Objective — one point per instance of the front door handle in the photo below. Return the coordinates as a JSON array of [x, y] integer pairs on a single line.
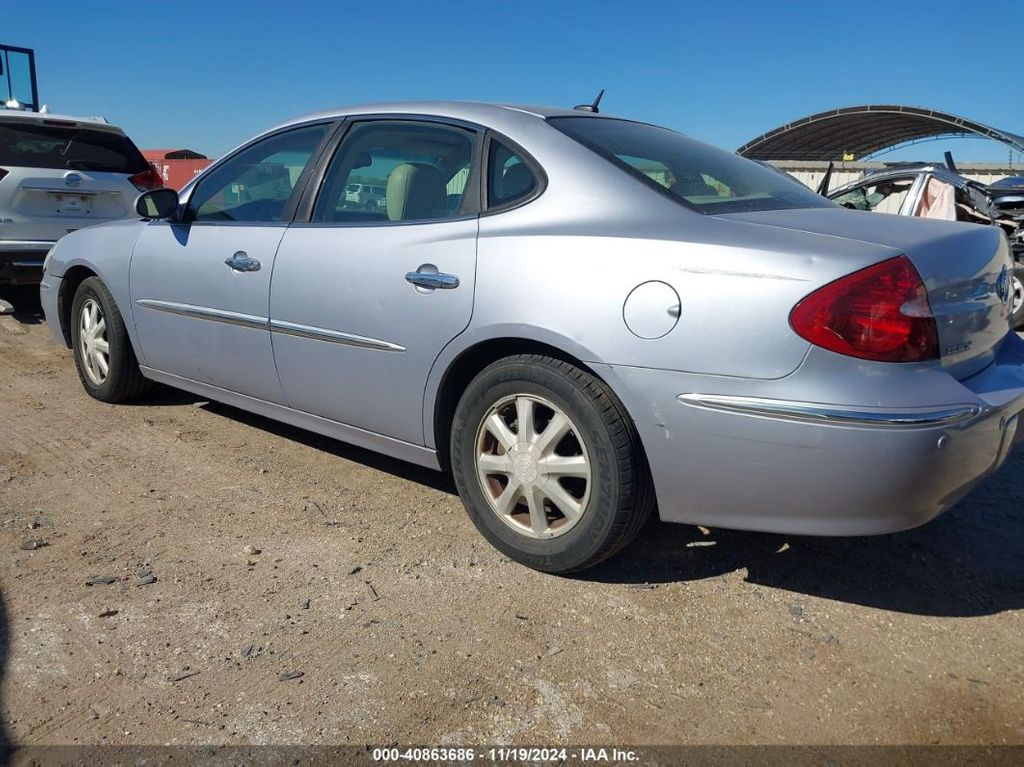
[[240, 262], [432, 280]]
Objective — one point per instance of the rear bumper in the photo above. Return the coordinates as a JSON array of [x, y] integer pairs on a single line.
[[49, 297], [21, 261], [790, 464]]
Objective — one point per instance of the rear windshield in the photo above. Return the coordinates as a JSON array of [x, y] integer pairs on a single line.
[[698, 175], [68, 148]]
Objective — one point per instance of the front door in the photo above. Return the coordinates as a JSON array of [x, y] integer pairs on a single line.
[[200, 288], [369, 291]]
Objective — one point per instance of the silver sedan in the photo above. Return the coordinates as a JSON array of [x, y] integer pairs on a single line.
[[583, 318]]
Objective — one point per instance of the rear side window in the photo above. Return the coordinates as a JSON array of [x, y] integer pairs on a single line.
[[697, 175], [68, 148], [390, 171], [508, 177]]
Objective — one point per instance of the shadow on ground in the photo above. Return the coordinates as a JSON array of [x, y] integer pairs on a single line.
[[408, 471], [25, 300], [968, 562]]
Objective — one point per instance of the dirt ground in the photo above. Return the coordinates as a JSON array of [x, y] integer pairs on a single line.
[[277, 551]]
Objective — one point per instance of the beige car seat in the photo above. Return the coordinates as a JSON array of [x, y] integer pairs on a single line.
[[415, 191]]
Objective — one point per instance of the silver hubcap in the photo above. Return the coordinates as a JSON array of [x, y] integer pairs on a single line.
[[1018, 295], [533, 466], [92, 340]]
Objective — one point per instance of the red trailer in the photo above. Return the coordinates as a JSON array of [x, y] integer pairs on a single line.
[[176, 166]]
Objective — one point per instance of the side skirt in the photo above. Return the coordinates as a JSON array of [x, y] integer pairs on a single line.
[[404, 451]]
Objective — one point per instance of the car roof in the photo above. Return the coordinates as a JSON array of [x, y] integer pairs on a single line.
[[492, 115], [42, 118]]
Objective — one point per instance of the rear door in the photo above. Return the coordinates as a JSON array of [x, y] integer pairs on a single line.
[[364, 298], [200, 287]]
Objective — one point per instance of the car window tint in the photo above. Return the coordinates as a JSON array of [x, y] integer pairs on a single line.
[[508, 177], [68, 148], [882, 197], [697, 175], [387, 171], [256, 184]]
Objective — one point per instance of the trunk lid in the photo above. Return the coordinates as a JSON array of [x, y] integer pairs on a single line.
[[966, 269]]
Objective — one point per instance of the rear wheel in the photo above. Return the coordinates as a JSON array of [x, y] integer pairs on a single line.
[[103, 352], [548, 464]]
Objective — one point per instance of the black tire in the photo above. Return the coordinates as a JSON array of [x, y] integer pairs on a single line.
[[621, 495], [1016, 288], [123, 380]]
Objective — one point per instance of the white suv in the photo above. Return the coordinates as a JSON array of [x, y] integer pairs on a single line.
[[58, 174]]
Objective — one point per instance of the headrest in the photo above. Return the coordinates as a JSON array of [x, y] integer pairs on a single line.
[[517, 181], [415, 190]]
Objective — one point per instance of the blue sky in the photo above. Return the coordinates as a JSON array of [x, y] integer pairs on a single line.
[[208, 75]]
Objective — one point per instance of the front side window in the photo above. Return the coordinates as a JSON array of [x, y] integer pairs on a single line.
[[508, 177], [390, 171], [882, 196], [697, 175], [256, 185]]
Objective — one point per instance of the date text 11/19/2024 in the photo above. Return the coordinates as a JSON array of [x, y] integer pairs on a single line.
[[503, 754]]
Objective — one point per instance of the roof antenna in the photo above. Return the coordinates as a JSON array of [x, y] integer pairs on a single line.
[[591, 107]]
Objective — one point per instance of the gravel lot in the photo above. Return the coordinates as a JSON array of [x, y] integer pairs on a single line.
[[276, 552]]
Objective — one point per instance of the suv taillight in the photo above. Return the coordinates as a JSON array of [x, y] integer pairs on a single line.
[[148, 179], [880, 313]]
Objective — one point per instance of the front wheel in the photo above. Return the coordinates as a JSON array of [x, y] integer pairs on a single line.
[[103, 352], [548, 464], [1017, 293]]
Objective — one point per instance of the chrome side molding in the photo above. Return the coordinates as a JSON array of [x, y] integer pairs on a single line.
[[333, 336], [262, 323], [837, 414], [204, 313]]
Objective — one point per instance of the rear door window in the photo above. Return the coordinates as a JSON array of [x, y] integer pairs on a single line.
[[405, 171], [68, 148]]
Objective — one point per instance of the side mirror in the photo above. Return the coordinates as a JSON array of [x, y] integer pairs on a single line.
[[157, 203]]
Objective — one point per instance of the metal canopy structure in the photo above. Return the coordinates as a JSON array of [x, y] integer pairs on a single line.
[[862, 131]]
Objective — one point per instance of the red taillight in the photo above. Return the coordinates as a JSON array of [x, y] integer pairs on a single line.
[[880, 313], [148, 179]]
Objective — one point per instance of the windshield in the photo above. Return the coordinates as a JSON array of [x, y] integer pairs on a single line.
[[698, 175], [68, 148]]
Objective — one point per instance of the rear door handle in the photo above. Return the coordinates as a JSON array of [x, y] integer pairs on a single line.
[[433, 280], [240, 262]]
